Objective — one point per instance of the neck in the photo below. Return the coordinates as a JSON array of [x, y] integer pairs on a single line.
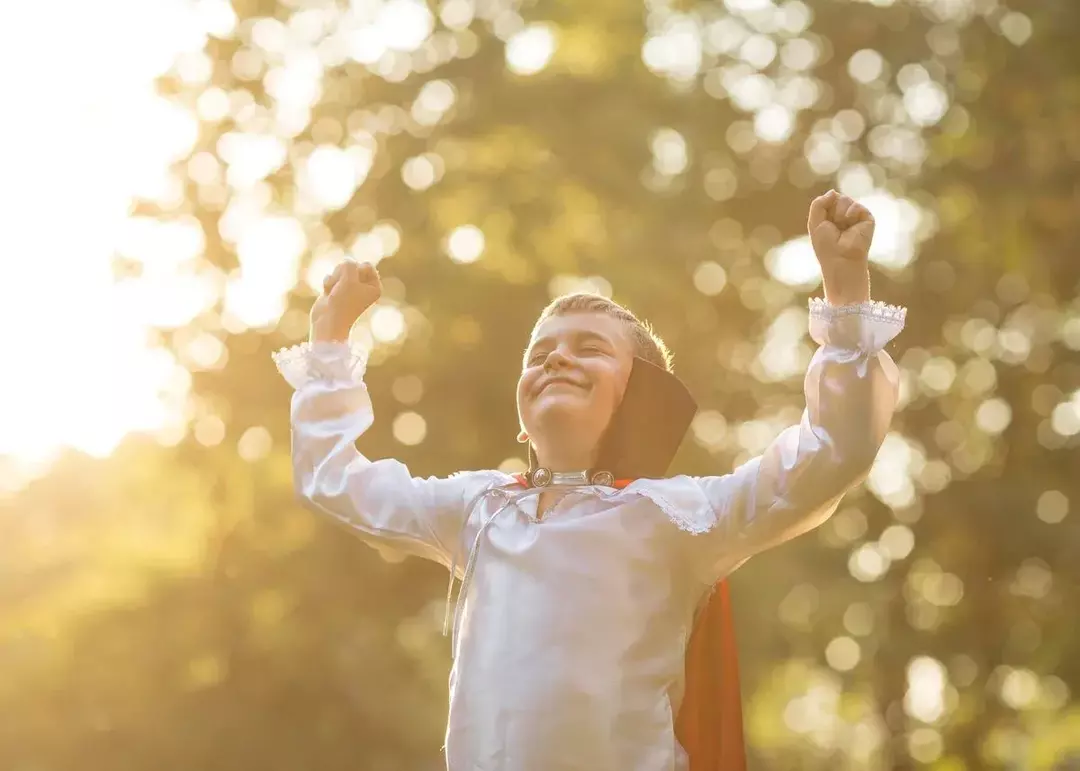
[[564, 459]]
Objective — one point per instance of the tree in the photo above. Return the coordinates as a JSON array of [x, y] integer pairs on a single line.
[[488, 156]]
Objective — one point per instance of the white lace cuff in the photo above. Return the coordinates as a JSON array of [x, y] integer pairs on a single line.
[[866, 327], [328, 362]]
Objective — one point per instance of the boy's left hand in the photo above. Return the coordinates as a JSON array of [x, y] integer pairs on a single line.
[[841, 231]]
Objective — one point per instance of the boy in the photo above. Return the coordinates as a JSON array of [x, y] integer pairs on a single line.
[[582, 580]]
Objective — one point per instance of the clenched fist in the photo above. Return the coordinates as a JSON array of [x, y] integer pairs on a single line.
[[841, 231], [347, 292]]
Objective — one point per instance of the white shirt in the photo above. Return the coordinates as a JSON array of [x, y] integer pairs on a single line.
[[571, 632]]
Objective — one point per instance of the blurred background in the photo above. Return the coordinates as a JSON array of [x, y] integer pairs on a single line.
[[177, 176]]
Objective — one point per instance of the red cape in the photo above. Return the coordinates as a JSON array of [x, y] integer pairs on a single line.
[[709, 725]]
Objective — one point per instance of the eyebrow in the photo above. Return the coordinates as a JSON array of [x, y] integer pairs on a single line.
[[578, 336]]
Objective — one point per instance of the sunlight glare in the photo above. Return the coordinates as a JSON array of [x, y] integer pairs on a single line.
[[793, 263], [465, 244], [397, 25], [529, 51], [250, 157], [100, 136], [675, 49], [897, 229], [925, 697], [269, 251], [330, 176]]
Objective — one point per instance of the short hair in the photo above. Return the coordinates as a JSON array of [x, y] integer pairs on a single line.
[[647, 344]]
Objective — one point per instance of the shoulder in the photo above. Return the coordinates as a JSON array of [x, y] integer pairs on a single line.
[[478, 482], [682, 499]]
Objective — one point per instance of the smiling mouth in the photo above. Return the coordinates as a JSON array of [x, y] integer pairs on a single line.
[[561, 381]]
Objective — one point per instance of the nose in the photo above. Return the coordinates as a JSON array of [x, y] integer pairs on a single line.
[[556, 360]]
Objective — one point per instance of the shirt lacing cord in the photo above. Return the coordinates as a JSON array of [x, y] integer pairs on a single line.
[[470, 564]]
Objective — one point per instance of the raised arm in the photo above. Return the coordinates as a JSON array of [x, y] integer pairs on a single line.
[[796, 484], [851, 390], [378, 499]]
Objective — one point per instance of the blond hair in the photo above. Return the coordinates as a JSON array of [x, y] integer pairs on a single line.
[[647, 344]]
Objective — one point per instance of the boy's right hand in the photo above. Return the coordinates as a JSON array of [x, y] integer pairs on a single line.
[[347, 292]]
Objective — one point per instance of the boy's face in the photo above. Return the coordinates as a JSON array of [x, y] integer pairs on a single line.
[[573, 378]]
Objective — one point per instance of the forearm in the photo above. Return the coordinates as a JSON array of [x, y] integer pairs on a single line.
[[850, 400], [852, 384], [377, 499], [329, 330], [846, 282]]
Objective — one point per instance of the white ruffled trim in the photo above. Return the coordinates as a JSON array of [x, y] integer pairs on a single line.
[[867, 326], [333, 362], [873, 309], [681, 499]]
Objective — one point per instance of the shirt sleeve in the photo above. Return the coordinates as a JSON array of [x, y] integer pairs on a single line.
[[852, 389], [377, 499]]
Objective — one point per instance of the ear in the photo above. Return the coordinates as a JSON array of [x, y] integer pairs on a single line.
[[522, 437]]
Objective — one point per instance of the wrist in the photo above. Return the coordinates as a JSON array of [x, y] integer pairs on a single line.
[[846, 284], [328, 332]]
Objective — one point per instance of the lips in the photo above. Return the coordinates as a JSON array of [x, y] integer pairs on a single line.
[[560, 379]]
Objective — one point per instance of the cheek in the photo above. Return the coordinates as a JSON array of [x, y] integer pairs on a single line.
[[611, 387], [524, 385], [619, 376]]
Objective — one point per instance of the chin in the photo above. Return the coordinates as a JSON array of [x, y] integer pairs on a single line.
[[559, 414]]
